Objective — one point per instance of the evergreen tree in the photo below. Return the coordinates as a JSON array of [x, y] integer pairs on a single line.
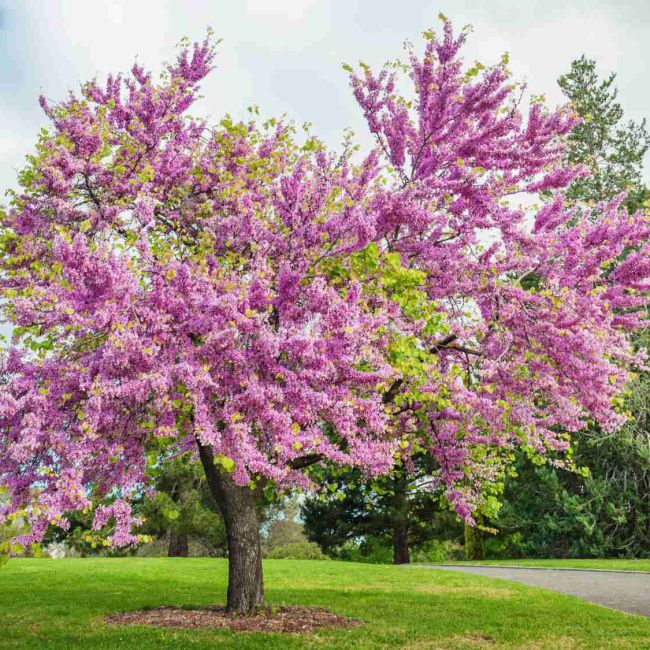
[[397, 511], [613, 149], [182, 510]]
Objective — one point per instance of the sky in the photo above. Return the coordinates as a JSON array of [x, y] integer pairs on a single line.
[[285, 55]]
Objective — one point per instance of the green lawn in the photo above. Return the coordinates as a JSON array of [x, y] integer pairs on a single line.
[[613, 565], [61, 604]]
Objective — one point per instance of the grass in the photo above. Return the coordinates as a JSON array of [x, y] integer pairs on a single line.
[[62, 603], [613, 565]]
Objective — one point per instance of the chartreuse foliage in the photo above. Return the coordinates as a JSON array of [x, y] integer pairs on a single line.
[[61, 604]]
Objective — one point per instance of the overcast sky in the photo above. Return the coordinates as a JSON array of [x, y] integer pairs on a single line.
[[285, 55]]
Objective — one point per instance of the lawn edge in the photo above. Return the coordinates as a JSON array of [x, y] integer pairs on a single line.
[[534, 568]]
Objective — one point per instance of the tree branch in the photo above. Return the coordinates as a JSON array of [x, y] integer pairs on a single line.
[[391, 393], [445, 344], [441, 345], [305, 461]]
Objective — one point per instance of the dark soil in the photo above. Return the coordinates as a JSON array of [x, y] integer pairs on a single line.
[[267, 619]]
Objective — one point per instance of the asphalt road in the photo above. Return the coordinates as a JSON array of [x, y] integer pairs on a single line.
[[624, 590]]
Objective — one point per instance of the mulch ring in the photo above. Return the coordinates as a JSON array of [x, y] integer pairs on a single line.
[[267, 619]]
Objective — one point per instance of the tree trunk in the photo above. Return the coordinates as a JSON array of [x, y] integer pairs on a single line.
[[400, 544], [238, 507], [178, 545], [400, 514], [473, 542]]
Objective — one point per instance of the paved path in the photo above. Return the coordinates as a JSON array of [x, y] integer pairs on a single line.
[[624, 590]]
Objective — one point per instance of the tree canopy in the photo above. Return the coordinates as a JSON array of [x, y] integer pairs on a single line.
[[174, 284]]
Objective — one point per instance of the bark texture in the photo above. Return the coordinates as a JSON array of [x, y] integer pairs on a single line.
[[400, 516], [239, 509], [473, 542], [401, 544], [178, 545]]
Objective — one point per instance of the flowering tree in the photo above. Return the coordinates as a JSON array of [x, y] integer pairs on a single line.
[[269, 306], [534, 298]]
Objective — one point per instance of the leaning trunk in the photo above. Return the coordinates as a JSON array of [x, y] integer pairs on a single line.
[[238, 507], [178, 545]]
